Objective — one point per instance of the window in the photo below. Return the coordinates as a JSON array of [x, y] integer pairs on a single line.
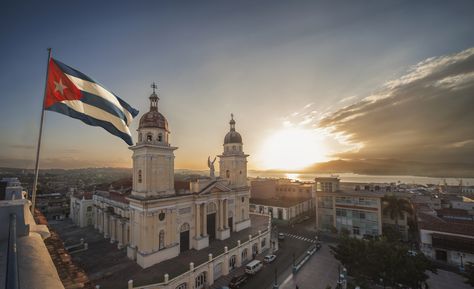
[[160, 137], [140, 137], [161, 216], [243, 199], [89, 209], [161, 240], [227, 174], [149, 137], [233, 148], [139, 176], [355, 230]]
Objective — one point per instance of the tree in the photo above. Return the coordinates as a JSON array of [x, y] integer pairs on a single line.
[[382, 262], [469, 273], [396, 207]]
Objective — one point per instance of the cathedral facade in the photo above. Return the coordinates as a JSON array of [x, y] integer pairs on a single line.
[[161, 222]]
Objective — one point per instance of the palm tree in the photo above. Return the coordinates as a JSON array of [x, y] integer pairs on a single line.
[[396, 207]]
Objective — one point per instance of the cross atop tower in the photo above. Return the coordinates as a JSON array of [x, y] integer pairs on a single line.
[[154, 86]]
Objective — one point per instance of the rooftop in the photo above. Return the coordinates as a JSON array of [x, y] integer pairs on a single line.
[[438, 224], [281, 202], [109, 267]]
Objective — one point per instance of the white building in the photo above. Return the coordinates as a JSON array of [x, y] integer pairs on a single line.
[[446, 240], [81, 209], [283, 209], [155, 222]]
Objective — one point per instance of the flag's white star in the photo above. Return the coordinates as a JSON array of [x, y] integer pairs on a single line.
[[60, 86]]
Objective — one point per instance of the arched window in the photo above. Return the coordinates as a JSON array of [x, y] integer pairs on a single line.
[[149, 137], [227, 174], [160, 137], [140, 137], [139, 176], [161, 240], [233, 148]]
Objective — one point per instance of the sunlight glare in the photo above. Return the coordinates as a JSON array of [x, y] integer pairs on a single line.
[[293, 148]]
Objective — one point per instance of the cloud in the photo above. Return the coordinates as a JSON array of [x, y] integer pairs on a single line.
[[425, 115]]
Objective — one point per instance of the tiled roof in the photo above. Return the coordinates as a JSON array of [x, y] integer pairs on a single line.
[[70, 274], [434, 223]]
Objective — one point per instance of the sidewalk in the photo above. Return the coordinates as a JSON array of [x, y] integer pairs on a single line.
[[319, 272]]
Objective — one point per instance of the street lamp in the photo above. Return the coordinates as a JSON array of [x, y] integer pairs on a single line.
[[275, 283], [461, 255]]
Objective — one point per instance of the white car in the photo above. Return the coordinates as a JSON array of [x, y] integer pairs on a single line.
[[269, 258]]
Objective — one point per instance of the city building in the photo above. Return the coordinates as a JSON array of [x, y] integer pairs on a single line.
[[446, 240], [54, 206], [267, 188], [155, 221], [283, 208], [358, 213], [81, 209]]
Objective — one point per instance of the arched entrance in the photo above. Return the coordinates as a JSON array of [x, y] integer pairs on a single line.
[[200, 281], [245, 254], [232, 260], [184, 237], [254, 250], [211, 220]]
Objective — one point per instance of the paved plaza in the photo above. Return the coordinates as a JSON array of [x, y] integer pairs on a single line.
[[320, 271], [109, 267]]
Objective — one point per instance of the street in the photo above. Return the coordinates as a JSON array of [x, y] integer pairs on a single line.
[[318, 272]]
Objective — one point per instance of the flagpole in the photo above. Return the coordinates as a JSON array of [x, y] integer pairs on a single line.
[[35, 182]]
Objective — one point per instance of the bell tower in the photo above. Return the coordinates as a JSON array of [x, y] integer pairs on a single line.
[[153, 157], [233, 161]]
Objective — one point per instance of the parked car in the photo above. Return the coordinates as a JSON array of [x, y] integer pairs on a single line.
[[281, 236], [318, 246], [237, 281], [253, 267], [269, 258]]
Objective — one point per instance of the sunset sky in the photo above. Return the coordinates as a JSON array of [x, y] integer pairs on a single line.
[[307, 81]]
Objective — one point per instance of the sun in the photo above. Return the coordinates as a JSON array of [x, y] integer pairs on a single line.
[[292, 148]]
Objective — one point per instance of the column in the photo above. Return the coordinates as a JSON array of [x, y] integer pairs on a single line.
[[226, 214], [106, 225], [204, 220], [220, 208], [198, 221], [172, 231]]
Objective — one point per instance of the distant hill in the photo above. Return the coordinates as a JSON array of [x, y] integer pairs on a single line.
[[393, 167]]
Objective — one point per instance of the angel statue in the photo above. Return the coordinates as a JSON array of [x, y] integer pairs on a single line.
[[211, 166]]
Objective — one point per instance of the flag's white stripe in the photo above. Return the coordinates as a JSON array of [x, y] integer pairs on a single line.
[[98, 113], [98, 90]]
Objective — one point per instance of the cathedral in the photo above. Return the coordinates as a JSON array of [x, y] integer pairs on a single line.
[[157, 222]]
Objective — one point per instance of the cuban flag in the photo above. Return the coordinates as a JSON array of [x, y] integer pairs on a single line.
[[73, 93]]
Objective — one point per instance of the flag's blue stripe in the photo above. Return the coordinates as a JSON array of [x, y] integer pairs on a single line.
[[64, 109], [71, 71], [125, 105], [103, 104]]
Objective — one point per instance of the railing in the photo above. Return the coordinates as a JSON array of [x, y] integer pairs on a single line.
[[12, 280]]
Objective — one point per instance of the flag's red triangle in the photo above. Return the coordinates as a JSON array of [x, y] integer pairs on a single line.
[[59, 87]]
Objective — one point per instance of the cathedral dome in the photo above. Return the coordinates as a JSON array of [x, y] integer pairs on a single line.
[[153, 118], [232, 136]]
